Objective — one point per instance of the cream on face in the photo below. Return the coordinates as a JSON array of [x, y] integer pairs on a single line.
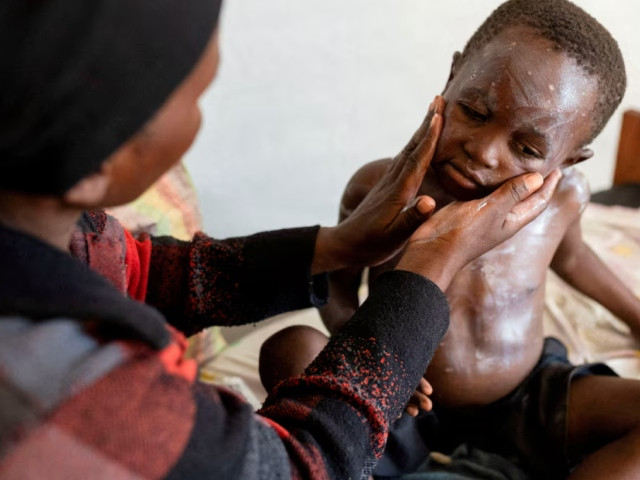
[[516, 106]]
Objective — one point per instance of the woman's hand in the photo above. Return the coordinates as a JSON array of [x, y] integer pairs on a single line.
[[379, 228], [462, 231]]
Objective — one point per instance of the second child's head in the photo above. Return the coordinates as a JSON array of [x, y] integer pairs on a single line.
[[532, 88]]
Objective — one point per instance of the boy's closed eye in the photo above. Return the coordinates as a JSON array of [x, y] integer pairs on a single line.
[[530, 143], [476, 105], [527, 145], [527, 151], [478, 114]]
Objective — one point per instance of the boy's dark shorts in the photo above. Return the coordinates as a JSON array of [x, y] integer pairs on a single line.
[[528, 426]]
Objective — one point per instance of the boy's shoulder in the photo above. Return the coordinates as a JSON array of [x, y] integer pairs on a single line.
[[572, 191], [361, 183], [370, 172]]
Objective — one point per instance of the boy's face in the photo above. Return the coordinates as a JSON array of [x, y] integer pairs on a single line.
[[514, 106]]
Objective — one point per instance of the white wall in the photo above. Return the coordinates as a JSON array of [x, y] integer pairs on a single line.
[[308, 91]]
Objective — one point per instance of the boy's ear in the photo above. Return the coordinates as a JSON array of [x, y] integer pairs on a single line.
[[578, 156], [90, 191], [455, 64]]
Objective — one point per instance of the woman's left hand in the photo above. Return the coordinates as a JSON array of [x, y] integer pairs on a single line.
[[380, 226]]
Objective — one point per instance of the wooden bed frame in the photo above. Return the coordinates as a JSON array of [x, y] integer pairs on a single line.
[[628, 158]]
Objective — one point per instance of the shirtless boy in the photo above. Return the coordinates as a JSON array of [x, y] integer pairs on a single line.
[[534, 85]]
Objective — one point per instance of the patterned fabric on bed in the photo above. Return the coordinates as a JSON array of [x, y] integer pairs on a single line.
[[169, 207]]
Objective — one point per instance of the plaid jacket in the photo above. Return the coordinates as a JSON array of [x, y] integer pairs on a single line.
[[93, 383]]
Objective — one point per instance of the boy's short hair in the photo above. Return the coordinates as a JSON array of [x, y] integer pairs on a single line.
[[81, 77], [572, 31]]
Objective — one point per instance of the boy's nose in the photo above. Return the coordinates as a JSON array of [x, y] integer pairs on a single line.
[[487, 150]]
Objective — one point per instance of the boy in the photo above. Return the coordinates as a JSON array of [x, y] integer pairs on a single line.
[[534, 85], [99, 99]]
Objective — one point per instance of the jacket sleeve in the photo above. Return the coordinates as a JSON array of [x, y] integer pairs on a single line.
[[333, 421], [139, 413], [208, 282], [204, 282]]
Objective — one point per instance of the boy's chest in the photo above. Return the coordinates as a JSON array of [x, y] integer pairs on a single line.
[[517, 267], [508, 281]]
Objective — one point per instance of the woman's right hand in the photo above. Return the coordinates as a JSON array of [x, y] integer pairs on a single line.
[[462, 231]]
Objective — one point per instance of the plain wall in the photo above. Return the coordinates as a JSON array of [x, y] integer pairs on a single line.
[[308, 91]]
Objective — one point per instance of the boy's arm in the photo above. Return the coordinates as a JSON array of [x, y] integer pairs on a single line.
[[344, 284], [580, 267]]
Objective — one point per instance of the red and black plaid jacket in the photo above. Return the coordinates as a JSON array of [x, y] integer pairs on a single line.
[[93, 383]]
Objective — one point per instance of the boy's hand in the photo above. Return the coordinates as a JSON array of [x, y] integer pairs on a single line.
[[462, 231], [420, 399], [380, 226]]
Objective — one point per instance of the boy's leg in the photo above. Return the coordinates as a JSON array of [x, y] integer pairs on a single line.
[[604, 423], [287, 353]]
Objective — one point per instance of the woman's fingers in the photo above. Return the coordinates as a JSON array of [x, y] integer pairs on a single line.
[[528, 209], [414, 160]]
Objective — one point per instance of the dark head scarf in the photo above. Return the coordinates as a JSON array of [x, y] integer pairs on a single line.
[[80, 77]]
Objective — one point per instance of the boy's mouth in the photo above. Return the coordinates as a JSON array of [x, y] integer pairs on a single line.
[[460, 184]]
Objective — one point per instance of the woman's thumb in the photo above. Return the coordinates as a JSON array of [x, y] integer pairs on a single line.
[[414, 215]]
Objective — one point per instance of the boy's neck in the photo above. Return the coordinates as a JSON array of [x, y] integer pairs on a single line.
[[43, 217]]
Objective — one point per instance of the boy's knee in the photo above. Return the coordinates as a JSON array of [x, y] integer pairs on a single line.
[[287, 353]]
